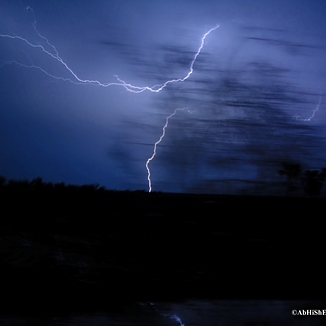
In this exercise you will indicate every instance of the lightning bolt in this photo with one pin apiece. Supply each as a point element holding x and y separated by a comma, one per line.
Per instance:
<point>158,88</point>
<point>56,57</point>
<point>50,50</point>
<point>155,145</point>
<point>313,113</point>
<point>54,54</point>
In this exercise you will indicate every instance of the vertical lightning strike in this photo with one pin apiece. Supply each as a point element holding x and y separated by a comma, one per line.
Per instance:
<point>313,113</point>
<point>155,145</point>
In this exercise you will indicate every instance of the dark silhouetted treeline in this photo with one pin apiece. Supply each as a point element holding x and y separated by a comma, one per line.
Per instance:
<point>311,181</point>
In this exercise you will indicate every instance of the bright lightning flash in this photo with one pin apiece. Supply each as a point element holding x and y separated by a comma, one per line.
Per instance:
<point>50,50</point>
<point>54,54</point>
<point>155,145</point>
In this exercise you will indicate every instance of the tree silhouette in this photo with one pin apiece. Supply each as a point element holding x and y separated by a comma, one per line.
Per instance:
<point>3,181</point>
<point>292,172</point>
<point>313,181</point>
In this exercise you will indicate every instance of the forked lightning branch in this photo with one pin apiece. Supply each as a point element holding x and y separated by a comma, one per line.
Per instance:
<point>48,49</point>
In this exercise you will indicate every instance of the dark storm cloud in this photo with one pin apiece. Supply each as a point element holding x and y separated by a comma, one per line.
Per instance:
<point>117,45</point>
<point>287,45</point>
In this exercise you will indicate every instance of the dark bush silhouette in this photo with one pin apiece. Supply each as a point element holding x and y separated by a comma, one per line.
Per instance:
<point>313,181</point>
<point>292,172</point>
<point>3,181</point>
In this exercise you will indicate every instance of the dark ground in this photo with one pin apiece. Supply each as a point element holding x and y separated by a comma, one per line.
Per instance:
<point>64,249</point>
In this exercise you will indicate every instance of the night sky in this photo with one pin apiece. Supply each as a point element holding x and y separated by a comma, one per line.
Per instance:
<point>255,98</point>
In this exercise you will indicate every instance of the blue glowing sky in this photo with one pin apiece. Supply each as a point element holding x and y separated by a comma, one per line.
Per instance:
<point>256,96</point>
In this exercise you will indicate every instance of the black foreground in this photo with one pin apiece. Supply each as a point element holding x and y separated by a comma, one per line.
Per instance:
<point>86,250</point>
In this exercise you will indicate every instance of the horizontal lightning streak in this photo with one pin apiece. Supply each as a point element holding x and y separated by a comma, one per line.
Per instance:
<point>59,59</point>
<point>129,87</point>
<point>155,146</point>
